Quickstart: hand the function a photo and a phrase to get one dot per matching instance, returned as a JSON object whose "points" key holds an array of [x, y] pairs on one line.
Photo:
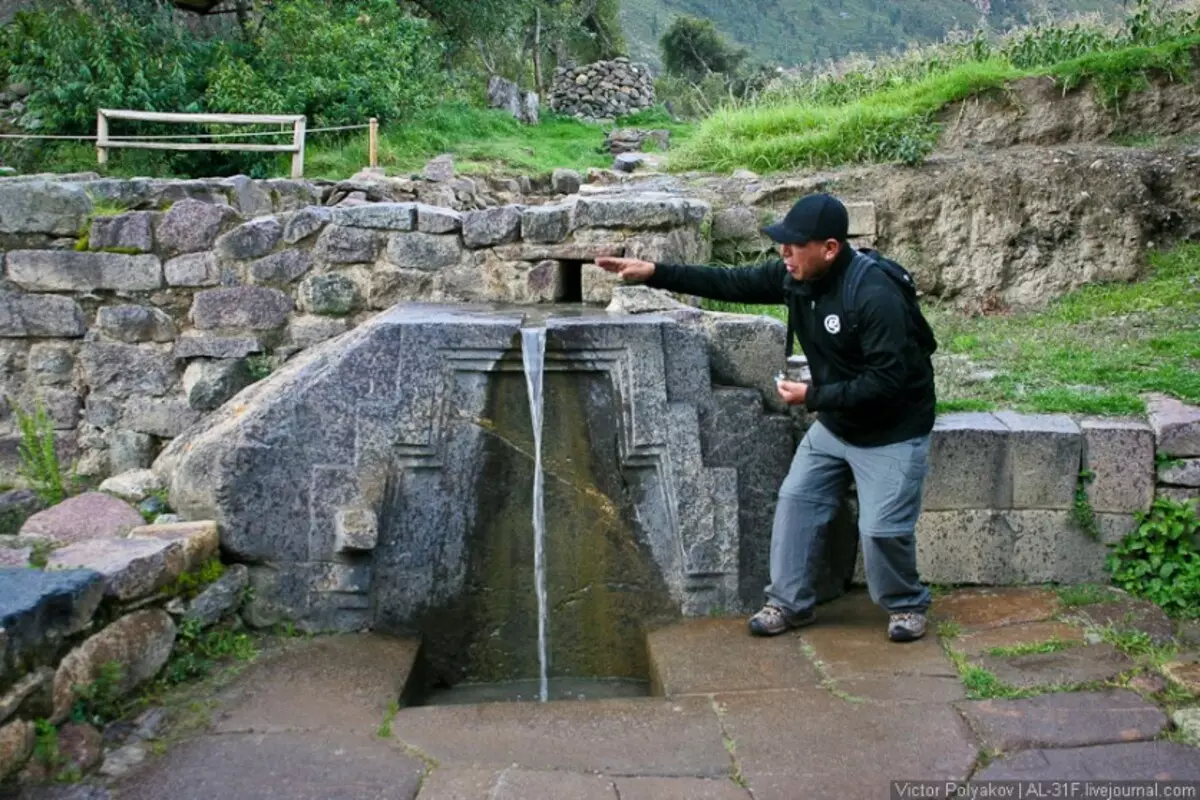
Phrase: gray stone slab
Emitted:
{"points": [[38, 610], [1134, 761], [377, 216], [256, 308], [701, 656], [340, 244], [638, 212], [680, 789], [747, 351], [333, 295], [49, 207], [1049, 546], [1120, 455], [1075, 665], [131, 231], [968, 460], [191, 226], [193, 269], [305, 222], [459, 783], [1065, 719], [1176, 425], [286, 766], [1045, 453], [71, 271], [1185, 472], [91, 515], [281, 268], [964, 547], [545, 224], [133, 324], [425, 251], [850, 749], [165, 417], [492, 226], [340, 683], [434, 219], [678, 737], [36, 315], [253, 239], [118, 370], [132, 568], [196, 344], [1129, 615]]}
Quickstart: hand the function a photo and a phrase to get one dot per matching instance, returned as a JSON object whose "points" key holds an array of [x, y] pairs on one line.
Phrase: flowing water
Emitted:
{"points": [[533, 350]]}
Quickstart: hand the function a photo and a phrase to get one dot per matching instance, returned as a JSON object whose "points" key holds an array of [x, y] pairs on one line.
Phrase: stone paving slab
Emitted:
{"points": [[680, 789], [808, 743], [978, 643], [650, 736], [1129, 615], [1098, 662], [282, 766], [338, 683], [850, 641], [1130, 762], [473, 783], [995, 607], [902, 688], [702, 656], [1074, 719]]}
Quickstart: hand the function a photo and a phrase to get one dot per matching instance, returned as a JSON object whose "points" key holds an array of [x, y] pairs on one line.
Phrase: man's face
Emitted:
{"points": [[808, 261]]}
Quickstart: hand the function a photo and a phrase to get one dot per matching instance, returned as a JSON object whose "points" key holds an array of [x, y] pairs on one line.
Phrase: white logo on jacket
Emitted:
{"points": [[833, 324]]}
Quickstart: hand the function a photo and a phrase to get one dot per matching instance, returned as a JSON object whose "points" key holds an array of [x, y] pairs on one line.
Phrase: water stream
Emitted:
{"points": [[533, 350]]}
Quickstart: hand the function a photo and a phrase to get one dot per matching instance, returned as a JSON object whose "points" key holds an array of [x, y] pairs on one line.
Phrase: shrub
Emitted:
{"points": [[340, 64]]}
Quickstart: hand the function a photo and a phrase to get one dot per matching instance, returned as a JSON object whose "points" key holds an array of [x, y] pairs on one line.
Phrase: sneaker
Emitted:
{"points": [[772, 620], [906, 627]]}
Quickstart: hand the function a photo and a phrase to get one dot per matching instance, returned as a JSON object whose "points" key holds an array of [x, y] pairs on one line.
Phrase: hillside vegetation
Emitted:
{"points": [[798, 32], [883, 111]]}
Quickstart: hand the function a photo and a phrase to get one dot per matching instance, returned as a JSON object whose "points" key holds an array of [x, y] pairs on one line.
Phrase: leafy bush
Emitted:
{"points": [[1159, 560], [338, 63], [115, 54]]}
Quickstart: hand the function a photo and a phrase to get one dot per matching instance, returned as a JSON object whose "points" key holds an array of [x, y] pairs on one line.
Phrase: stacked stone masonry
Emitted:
{"points": [[603, 90], [132, 308], [105, 608]]}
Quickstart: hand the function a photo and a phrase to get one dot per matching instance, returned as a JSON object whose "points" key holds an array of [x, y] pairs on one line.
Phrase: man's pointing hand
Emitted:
{"points": [[630, 269]]}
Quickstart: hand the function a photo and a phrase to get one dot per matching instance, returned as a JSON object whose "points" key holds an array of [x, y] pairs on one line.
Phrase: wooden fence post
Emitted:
{"points": [[101, 138], [298, 142], [373, 140]]}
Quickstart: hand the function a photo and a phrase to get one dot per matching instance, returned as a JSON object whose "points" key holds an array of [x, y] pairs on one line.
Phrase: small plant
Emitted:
{"points": [[38, 455], [45, 746], [259, 366], [1029, 648], [1083, 595], [197, 651], [949, 629], [1159, 561], [1085, 517], [39, 554], [99, 701], [385, 728], [190, 584]]}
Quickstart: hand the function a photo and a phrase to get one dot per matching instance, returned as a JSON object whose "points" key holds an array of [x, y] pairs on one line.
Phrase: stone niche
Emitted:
{"points": [[384, 479]]}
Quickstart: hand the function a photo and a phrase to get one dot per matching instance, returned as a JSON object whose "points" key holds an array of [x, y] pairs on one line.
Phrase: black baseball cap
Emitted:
{"points": [[815, 217]]}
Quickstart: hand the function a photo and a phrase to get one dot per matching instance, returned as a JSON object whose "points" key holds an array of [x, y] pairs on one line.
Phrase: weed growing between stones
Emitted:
{"points": [[188, 585], [38, 455], [1085, 517], [949, 629], [385, 728], [259, 366], [1083, 595], [198, 651], [735, 767], [101, 700], [1159, 560], [1028, 648]]}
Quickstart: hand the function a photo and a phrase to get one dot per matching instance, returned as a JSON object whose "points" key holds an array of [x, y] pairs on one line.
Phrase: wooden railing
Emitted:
{"points": [[105, 142]]}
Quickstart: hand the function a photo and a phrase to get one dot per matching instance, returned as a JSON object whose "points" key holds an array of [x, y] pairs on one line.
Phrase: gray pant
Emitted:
{"points": [[889, 480]]}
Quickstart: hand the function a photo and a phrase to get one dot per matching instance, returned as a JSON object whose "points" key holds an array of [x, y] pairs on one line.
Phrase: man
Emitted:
{"points": [[872, 390]]}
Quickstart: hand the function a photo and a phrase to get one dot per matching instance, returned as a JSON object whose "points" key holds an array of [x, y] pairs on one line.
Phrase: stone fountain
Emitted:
{"points": [[384, 480]]}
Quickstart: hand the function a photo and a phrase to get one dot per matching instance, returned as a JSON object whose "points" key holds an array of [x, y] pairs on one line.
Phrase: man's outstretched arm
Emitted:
{"points": [[759, 284]]}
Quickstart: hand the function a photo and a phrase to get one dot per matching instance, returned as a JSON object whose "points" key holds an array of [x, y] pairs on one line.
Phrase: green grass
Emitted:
{"points": [[896, 124], [1084, 595], [1094, 351], [482, 141], [1029, 648]]}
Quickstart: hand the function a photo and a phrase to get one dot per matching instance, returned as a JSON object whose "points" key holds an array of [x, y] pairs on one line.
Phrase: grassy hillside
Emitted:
{"points": [[796, 32]]}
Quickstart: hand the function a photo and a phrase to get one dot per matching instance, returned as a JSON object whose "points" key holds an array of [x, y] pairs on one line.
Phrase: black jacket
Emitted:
{"points": [[870, 389]]}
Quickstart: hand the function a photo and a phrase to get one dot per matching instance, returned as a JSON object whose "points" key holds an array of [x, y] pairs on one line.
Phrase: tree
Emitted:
{"points": [[693, 49]]}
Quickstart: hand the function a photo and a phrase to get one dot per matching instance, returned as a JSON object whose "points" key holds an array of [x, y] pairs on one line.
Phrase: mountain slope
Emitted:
{"points": [[796, 32]]}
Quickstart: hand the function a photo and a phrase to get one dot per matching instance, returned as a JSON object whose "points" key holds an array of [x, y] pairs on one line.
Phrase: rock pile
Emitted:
{"points": [[603, 90]]}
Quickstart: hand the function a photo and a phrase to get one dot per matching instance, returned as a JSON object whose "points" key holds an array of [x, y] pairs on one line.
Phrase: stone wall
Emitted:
{"points": [[603, 90], [130, 309], [104, 615]]}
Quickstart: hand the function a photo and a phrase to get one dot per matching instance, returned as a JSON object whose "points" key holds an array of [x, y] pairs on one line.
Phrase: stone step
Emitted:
{"points": [[342, 683], [1069, 719]]}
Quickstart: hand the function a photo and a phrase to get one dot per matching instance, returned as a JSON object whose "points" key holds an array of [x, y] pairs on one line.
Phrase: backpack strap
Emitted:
{"points": [[859, 264]]}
